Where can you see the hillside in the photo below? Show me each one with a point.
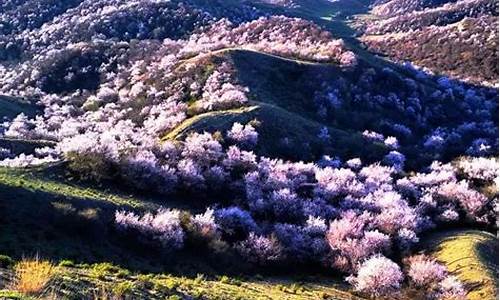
(454, 38)
(472, 255)
(193, 149)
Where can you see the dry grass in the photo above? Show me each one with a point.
(31, 276)
(471, 255)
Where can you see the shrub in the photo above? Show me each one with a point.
(391, 142)
(6, 261)
(324, 134)
(243, 134)
(204, 224)
(378, 276)
(351, 242)
(66, 263)
(202, 148)
(143, 169)
(471, 201)
(163, 227)
(235, 223)
(451, 288)
(238, 159)
(395, 159)
(219, 93)
(373, 136)
(260, 249)
(479, 168)
(121, 289)
(425, 272)
(5, 153)
(354, 163)
(90, 166)
(101, 270)
(285, 205)
(336, 182)
(140, 90)
(300, 244)
(23, 160)
(316, 225)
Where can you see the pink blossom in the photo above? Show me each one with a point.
(163, 226)
(260, 249)
(378, 276)
(425, 272)
(243, 134)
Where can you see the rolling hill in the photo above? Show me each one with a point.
(455, 38)
(193, 149)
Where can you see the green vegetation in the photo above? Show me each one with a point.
(13, 295)
(44, 181)
(80, 282)
(6, 261)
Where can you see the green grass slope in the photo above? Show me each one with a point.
(108, 281)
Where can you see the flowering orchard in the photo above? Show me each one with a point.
(109, 98)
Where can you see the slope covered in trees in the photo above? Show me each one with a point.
(457, 38)
(247, 137)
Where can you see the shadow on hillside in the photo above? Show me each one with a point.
(59, 227)
(471, 255)
(10, 107)
(18, 146)
(487, 251)
(53, 226)
(292, 85)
